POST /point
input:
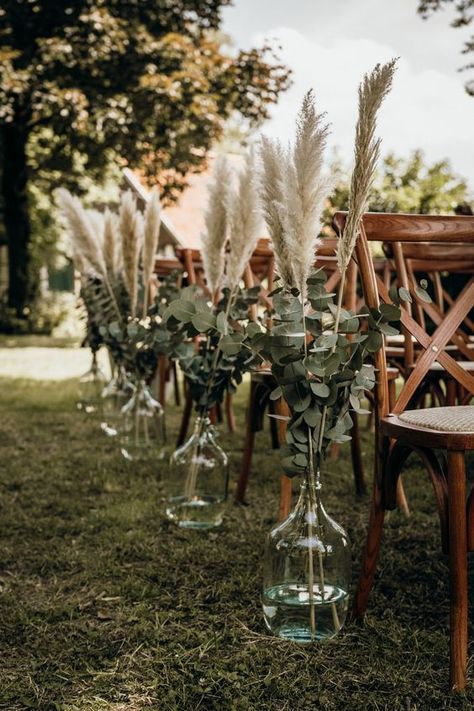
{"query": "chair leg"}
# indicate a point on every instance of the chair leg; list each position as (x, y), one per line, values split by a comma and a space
(457, 568)
(273, 425)
(248, 448)
(183, 430)
(335, 450)
(374, 539)
(451, 392)
(356, 455)
(229, 412)
(177, 394)
(162, 370)
(285, 497)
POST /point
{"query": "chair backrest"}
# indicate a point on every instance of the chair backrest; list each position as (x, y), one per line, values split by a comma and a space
(403, 232)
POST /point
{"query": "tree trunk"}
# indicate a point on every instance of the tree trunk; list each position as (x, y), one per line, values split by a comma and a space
(21, 287)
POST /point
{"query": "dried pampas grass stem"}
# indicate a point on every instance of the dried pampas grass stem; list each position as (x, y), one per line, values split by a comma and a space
(131, 230)
(244, 223)
(305, 190)
(271, 156)
(213, 241)
(150, 243)
(86, 243)
(372, 91)
(111, 244)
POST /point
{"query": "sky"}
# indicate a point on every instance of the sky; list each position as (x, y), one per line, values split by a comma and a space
(330, 44)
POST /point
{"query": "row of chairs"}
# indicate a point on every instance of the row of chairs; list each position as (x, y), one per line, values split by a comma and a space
(430, 363)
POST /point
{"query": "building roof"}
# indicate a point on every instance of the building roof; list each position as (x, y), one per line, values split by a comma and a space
(183, 222)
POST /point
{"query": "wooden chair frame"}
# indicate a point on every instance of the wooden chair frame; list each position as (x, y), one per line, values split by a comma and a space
(395, 438)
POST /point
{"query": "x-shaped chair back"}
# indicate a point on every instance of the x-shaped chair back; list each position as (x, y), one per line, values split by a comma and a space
(454, 233)
(434, 260)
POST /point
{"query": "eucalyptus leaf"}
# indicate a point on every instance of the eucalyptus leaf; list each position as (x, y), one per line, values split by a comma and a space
(320, 389)
(404, 294)
(276, 394)
(423, 295)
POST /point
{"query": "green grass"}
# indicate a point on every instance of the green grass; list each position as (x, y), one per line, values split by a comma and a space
(106, 606)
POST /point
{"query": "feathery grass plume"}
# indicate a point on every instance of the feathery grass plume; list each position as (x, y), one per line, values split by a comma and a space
(213, 241)
(372, 91)
(152, 233)
(271, 197)
(131, 228)
(111, 245)
(96, 219)
(304, 190)
(244, 222)
(82, 231)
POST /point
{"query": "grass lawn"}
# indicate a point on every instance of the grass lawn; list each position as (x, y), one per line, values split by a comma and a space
(106, 606)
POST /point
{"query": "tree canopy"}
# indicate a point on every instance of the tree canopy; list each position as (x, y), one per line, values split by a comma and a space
(464, 16)
(85, 83)
(409, 185)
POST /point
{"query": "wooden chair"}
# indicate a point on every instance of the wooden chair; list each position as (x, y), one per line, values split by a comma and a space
(435, 262)
(400, 431)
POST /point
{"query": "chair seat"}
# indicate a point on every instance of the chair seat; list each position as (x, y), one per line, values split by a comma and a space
(444, 419)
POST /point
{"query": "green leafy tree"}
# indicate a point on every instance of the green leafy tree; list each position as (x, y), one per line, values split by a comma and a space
(464, 16)
(406, 185)
(85, 84)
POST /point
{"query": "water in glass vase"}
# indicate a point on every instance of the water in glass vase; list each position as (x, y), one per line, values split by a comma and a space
(195, 512)
(196, 482)
(307, 572)
(287, 611)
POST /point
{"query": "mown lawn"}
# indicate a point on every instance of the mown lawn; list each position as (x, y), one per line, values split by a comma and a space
(104, 605)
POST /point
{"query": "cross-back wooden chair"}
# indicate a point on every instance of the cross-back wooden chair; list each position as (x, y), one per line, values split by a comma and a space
(263, 382)
(400, 431)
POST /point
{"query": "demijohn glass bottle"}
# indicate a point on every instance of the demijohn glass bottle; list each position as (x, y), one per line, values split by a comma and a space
(115, 395)
(307, 571)
(142, 430)
(197, 479)
(90, 388)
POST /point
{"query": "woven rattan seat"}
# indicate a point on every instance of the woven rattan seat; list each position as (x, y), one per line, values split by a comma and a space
(443, 419)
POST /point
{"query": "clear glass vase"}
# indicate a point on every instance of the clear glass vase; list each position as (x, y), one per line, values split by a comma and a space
(142, 430)
(115, 395)
(307, 572)
(90, 388)
(197, 479)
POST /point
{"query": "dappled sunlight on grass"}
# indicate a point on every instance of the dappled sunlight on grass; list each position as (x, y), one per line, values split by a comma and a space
(43, 363)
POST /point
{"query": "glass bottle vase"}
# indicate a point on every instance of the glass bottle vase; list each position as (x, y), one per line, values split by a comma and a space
(142, 430)
(307, 571)
(115, 395)
(197, 479)
(90, 388)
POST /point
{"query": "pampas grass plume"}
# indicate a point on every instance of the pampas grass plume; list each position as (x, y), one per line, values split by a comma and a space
(244, 222)
(214, 239)
(82, 231)
(151, 236)
(131, 231)
(372, 91)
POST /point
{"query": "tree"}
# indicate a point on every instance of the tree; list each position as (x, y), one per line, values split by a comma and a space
(406, 185)
(464, 16)
(84, 84)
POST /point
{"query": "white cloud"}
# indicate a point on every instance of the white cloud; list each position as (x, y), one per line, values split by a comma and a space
(427, 108)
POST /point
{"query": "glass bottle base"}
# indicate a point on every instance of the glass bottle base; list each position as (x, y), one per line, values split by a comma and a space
(287, 611)
(200, 512)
